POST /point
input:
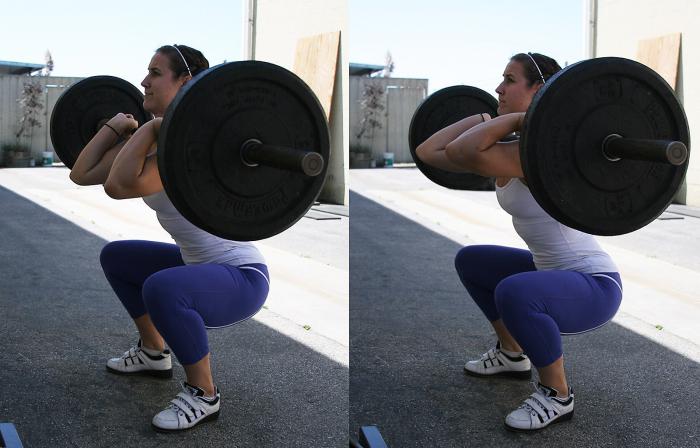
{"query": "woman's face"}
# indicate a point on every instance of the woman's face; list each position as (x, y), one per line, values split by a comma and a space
(160, 85)
(514, 94)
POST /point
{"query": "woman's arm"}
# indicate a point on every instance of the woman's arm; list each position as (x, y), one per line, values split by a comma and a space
(95, 160)
(134, 172)
(432, 151)
(479, 151)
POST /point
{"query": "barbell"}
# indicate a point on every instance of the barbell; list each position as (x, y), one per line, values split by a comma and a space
(604, 145)
(439, 110)
(242, 148)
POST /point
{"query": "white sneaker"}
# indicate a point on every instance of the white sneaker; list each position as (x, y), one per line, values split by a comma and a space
(541, 409)
(187, 409)
(137, 361)
(496, 363)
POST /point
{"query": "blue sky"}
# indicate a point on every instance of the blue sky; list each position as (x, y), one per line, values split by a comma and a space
(463, 42)
(89, 38)
(447, 41)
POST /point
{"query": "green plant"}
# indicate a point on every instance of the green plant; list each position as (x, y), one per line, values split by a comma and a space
(372, 107)
(15, 148)
(12, 152)
(30, 105)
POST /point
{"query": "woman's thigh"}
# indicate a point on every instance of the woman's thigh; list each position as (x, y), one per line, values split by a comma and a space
(486, 265)
(133, 261)
(221, 294)
(576, 302)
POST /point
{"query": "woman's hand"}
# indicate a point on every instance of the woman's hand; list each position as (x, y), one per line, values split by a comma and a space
(123, 123)
(94, 162)
(134, 172)
(479, 150)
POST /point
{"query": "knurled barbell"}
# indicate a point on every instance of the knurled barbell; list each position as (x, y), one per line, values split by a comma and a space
(604, 146)
(242, 150)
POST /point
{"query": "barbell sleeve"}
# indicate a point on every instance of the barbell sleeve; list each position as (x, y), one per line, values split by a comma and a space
(254, 153)
(616, 147)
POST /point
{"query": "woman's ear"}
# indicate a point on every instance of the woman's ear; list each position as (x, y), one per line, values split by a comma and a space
(538, 86)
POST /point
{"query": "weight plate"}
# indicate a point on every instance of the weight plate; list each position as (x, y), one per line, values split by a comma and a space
(84, 106)
(561, 145)
(199, 156)
(439, 110)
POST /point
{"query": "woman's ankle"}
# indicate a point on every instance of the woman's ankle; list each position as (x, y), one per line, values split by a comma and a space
(208, 389)
(151, 345)
(511, 347)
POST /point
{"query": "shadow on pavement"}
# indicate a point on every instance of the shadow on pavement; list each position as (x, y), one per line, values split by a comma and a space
(413, 325)
(60, 321)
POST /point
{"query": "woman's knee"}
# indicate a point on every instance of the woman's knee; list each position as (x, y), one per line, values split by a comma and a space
(110, 254)
(466, 259)
(511, 296)
(159, 292)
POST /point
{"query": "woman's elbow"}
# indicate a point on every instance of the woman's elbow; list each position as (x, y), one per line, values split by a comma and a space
(422, 152)
(80, 179)
(75, 178)
(111, 191)
(114, 190)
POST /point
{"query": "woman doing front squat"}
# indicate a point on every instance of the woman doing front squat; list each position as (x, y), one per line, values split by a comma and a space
(564, 284)
(173, 292)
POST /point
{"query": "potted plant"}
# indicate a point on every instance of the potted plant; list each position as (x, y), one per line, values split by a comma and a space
(16, 155)
(360, 156)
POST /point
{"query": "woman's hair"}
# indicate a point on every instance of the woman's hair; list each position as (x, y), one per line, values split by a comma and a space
(195, 59)
(547, 66)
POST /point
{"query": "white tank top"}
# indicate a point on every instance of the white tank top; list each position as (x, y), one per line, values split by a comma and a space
(196, 245)
(553, 245)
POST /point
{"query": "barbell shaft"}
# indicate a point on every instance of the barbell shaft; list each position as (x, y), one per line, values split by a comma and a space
(254, 152)
(616, 147)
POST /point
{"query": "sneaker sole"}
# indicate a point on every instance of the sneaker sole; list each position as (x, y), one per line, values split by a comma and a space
(566, 417)
(154, 373)
(521, 375)
(208, 418)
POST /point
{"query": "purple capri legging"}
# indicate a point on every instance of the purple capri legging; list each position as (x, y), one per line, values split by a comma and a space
(536, 306)
(182, 300)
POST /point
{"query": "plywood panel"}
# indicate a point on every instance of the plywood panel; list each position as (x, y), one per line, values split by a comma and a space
(661, 54)
(315, 62)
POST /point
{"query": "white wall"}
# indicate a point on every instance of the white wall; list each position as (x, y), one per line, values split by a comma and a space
(621, 24)
(277, 26)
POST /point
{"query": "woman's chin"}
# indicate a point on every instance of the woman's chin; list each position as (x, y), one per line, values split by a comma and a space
(149, 107)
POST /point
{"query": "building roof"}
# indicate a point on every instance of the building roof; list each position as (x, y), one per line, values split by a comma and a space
(364, 69)
(18, 68)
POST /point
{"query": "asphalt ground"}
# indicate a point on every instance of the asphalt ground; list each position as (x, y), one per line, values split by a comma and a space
(412, 327)
(60, 321)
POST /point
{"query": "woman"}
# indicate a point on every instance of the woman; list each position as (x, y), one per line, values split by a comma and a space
(564, 284)
(172, 292)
